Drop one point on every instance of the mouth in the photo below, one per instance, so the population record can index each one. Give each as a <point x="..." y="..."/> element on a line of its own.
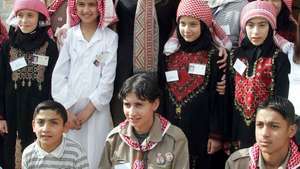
<point x="265" y="143"/>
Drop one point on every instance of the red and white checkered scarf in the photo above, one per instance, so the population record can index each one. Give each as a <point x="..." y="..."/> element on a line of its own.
<point x="200" y="10"/>
<point x="53" y="7"/>
<point x="293" y="161"/>
<point x="107" y="13"/>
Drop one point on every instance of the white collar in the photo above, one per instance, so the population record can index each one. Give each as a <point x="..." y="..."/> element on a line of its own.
<point x="57" y="152"/>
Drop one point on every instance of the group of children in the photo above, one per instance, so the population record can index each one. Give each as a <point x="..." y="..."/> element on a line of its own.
<point x="80" y="78"/>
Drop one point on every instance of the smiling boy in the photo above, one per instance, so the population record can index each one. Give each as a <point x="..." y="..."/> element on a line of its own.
<point x="52" y="149"/>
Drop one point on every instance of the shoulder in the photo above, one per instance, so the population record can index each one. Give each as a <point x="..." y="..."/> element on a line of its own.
<point x="240" y="154"/>
<point x="73" y="146"/>
<point x="113" y="133"/>
<point x="29" y="150"/>
<point x="109" y="32"/>
<point x="176" y="133"/>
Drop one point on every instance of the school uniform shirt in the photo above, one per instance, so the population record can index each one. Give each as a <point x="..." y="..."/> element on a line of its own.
<point x="294" y="90"/>
<point x="67" y="155"/>
<point x="84" y="72"/>
<point x="265" y="74"/>
<point x="164" y="147"/>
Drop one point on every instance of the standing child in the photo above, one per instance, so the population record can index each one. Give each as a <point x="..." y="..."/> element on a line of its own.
<point x="258" y="69"/>
<point x="84" y="74"/>
<point x="26" y="64"/>
<point x="51" y="148"/>
<point x="192" y="102"/>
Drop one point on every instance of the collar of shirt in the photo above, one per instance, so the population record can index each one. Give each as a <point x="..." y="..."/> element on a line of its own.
<point x="58" y="152"/>
<point x="96" y="36"/>
<point x="261" y="163"/>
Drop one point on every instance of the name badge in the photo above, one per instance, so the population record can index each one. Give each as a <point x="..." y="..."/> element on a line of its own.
<point x="172" y="75"/>
<point x="18" y="64"/>
<point x="197" y="69"/>
<point x="123" y="166"/>
<point x="239" y="66"/>
<point x="40" y="60"/>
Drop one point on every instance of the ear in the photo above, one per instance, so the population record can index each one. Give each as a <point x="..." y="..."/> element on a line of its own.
<point x="156" y="104"/>
<point x="33" y="125"/>
<point x="292" y="130"/>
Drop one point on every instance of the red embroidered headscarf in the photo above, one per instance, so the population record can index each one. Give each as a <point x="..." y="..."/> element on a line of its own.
<point x="107" y="13"/>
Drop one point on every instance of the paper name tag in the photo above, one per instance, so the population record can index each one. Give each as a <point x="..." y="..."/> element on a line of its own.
<point x="197" y="69"/>
<point x="172" y="75"/>
<point x="239" y="66"/>
<point x="123" y="166"/>
<point x="18" y="64"/>
<point x="40" y="60"/>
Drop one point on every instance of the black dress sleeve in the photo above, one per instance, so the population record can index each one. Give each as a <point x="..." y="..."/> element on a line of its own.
<point x="4" y="52"/>
<point x="282" y="69"/>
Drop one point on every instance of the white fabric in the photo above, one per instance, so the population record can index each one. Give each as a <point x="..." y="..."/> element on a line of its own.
<point x="77" y="80"/>
<point x="294" y="90"/>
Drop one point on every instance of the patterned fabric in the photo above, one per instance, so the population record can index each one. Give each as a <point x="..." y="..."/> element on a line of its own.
<point x="216" y="3"/>
<point x="146" y="145"/>
<point x="3" y="33"/>
<point x="54" y="6"/>
<point x="30" y="73"/>
<point x="251" y="91"/>
<point x="146" y="37"/>
<point x="201" y="11"/>
<point x="107" y="13"/>
<point x="293" y="162"/>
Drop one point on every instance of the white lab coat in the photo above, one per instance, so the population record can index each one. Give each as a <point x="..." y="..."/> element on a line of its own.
<point x="76" y="80"/>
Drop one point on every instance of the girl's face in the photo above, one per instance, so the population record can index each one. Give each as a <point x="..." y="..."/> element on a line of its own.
<point x="87" y="11"/>
<point x="139" y="113"/>
<point x="277" y="4"/>
<point x="27" y="20"/>
<point x="257" y="30"/>
<point x="190" y="28"/>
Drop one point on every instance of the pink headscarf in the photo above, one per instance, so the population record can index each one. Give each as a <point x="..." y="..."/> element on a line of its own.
<point x="106" y="11"/>
<point x="3" y="33"/>
<point x="34" y="5"/>
<point x="201" y="11"/>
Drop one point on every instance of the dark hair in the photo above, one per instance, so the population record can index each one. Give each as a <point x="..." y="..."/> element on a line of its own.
<point x="282" y="106"/>
<point x="283" y="19"/>
<point x="144" y="85"/>
<point x="52" y="105"/>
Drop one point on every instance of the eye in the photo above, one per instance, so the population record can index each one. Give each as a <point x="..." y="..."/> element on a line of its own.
<point x="40" y="122"/>
<point x="259" y="125"/>
<point x="127" y="105"/>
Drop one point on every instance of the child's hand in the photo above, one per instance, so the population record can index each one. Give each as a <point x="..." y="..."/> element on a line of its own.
<point x="213" y="146"/>
<point x="221" y="85"/>
<point x="61" y="34"/>
<point x="86" y="113"/>
<point x="73" y="122"/>
<point x="3" y="127"/>
<point x="223" y="54"/>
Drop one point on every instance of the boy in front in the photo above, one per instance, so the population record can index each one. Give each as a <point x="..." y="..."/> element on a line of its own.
<point x="52" y="149"/>
<point x="274" y="130"/>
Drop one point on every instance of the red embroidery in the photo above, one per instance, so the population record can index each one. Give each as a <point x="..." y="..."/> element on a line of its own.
<point x="187" y="83"/>
<point x="250" y="91"/>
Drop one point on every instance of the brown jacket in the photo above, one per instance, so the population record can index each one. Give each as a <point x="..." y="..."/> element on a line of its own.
<point x="173" y="142"/>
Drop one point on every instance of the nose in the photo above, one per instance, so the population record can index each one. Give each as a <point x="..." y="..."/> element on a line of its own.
<point x="255" y="30"/>
<point x="132" y="111"/>
<point x="265" y="131"/>
<point x="45" y="127"/>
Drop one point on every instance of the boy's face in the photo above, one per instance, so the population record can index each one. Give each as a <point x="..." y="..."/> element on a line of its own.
<point x="49" y="127"/>
<point x="139" y="112"/>
<point x="87" y="10"/>
<point x="257" y="30"/>
<point x="277" y="4"/>
<point x="273" y="132"/>
<point x="27" y="20"/>
<point x="189" y="28"/>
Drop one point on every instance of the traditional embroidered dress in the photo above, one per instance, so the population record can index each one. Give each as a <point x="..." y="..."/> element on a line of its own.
<point x="266" y="74"/>
<point x="192" y="102"/>
<point x="164" y="147"/>
<point x="22" y="89"/>
<point x="165" y="12"/>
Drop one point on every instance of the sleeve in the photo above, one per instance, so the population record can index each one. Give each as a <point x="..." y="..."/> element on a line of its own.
<point x="181" y="153"/>
<point x="105" y="162"/>
<point x="103" y="93"/>
<point x="3" y="78"/>
<point x="282" y="70"/>
<point x="60" y="91"/>
<point x="24" y="163"/>
<point x="82" y="161"/>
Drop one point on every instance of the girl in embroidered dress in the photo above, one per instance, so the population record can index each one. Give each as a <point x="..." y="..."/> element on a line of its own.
<point x="84" y="74"/>
<point x="145" y="140"/>
<point x="192" y="102"/>
<point x="26" y="63"/>
<point x="258" y="69"/>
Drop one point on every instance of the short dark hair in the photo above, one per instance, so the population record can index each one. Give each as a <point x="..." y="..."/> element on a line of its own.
<point x="144" y="85"/>
<point x="51" y="105"/>
<point x="281" y="105"/>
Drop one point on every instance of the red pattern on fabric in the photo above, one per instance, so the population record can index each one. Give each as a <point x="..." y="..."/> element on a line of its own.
<point x="138" y="164"/>
<point x="293" y="162"/>
<point x="187" y="83"/>
<point x="54" y="6"/>
<point x="250" y="91"/>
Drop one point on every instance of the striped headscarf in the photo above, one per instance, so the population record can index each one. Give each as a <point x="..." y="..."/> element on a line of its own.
<point x="107" y="13"/>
